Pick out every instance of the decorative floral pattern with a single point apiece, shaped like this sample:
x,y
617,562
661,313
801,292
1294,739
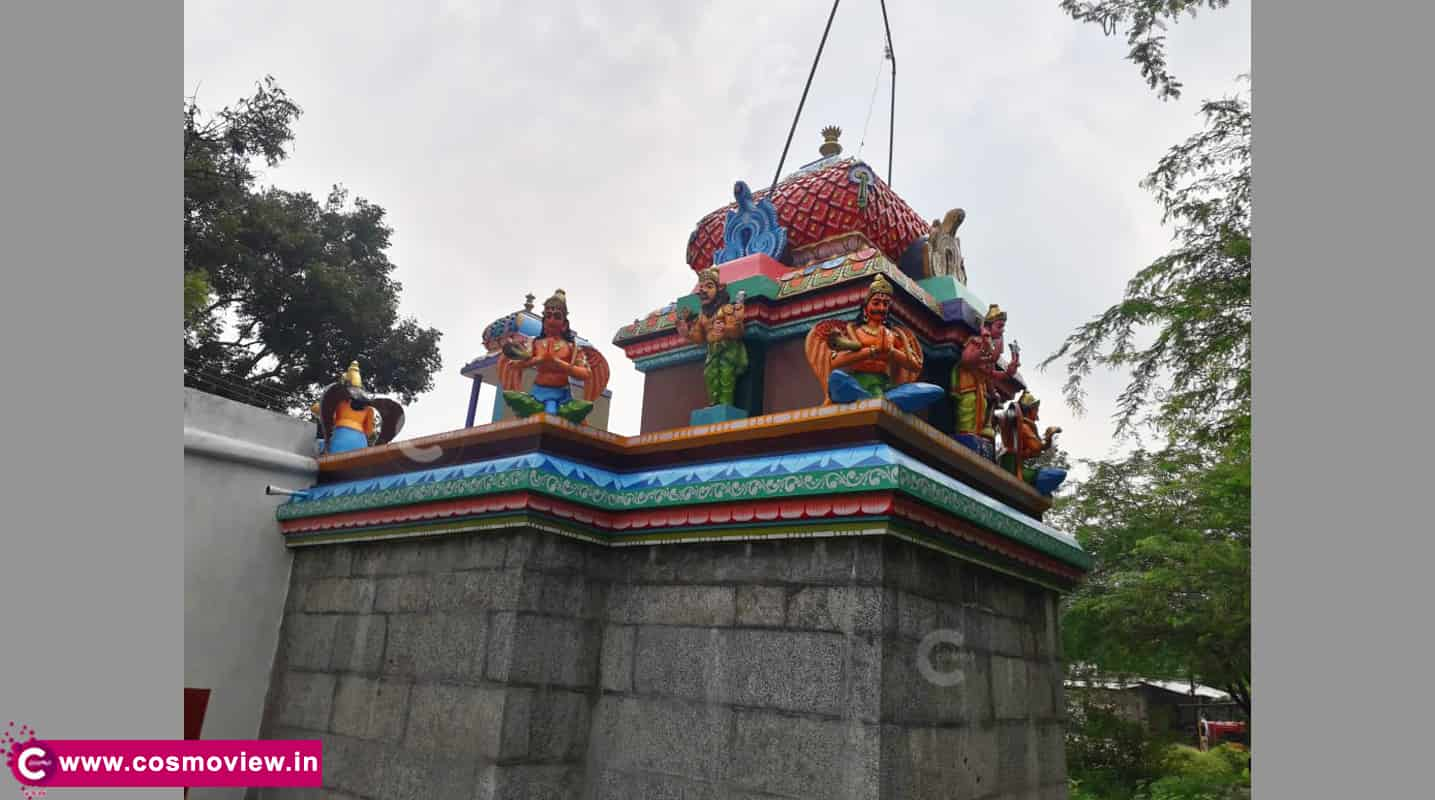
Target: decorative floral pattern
x,y
855,266
604,497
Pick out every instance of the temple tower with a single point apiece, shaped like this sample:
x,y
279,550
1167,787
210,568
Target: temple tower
x,y
811,600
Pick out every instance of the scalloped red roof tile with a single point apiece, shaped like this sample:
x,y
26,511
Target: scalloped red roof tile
x,y
817,205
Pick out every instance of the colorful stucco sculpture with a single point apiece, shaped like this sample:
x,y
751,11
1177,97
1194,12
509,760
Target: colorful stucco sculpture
x,y
718,327
846,232
1022,443
871,357
346,415
976,373
556,357
750,228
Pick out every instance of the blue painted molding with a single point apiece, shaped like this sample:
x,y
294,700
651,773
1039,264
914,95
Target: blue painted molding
x,y
847,469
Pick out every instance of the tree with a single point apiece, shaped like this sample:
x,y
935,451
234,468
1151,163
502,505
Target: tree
x,y
1197,297
1170,527
282,291
1171,535
1143,20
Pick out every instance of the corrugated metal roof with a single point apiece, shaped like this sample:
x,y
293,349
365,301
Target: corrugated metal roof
x,y
1179,687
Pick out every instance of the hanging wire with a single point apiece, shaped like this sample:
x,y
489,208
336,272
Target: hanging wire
x,y
803,101
871,104
892,124
196,376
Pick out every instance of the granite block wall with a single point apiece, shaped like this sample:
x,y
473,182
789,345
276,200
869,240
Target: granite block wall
x,y
527,665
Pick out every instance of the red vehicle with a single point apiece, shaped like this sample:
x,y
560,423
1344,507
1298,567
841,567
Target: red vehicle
x,y
1214,733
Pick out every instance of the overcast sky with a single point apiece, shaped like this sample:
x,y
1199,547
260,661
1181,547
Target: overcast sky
x,y
521,147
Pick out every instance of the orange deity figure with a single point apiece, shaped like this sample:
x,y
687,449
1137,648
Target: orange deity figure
x,y
557,357
870,357
1022,443
975,375
719,327
346,415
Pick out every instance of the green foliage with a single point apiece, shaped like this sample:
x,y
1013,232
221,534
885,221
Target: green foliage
x,y
1170,532
1078,789
1222,773
1196,372
1170,527
1222,762
1188,788
1143,21
196,295
293,288
1109,756
1148,770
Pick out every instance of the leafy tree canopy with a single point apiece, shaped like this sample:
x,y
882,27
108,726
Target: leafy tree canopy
x,y
282,291
1143,22
1170,527
1171,594
1196,372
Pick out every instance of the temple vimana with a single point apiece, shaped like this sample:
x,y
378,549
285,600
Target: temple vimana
x,y
819,570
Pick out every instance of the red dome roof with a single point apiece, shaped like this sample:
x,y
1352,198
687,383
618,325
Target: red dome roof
x,y
821,202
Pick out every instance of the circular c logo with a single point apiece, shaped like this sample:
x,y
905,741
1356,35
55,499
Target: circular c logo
x,y
925,649
35,764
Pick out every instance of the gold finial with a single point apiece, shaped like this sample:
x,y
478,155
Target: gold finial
x,y
351,375
528,301
880,285
994,313
830,145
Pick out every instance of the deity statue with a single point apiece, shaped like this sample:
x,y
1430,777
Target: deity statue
x,y
975,375
870,357
556,358
720,328
346,415
1022,443
943,253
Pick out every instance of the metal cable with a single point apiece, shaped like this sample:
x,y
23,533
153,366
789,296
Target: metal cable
x,y
892,124
871,104
803,101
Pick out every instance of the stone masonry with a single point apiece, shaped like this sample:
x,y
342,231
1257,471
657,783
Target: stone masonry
x,y
522,664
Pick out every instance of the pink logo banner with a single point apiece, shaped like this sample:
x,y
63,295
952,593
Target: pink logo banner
x,y
163,763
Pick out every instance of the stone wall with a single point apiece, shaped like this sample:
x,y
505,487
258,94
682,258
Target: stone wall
x,y
235,569
526,665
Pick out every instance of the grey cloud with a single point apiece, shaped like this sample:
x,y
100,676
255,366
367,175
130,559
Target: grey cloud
x,y
519,153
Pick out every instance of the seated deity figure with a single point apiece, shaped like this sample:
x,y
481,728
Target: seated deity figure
x,y
870,357
1022,444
